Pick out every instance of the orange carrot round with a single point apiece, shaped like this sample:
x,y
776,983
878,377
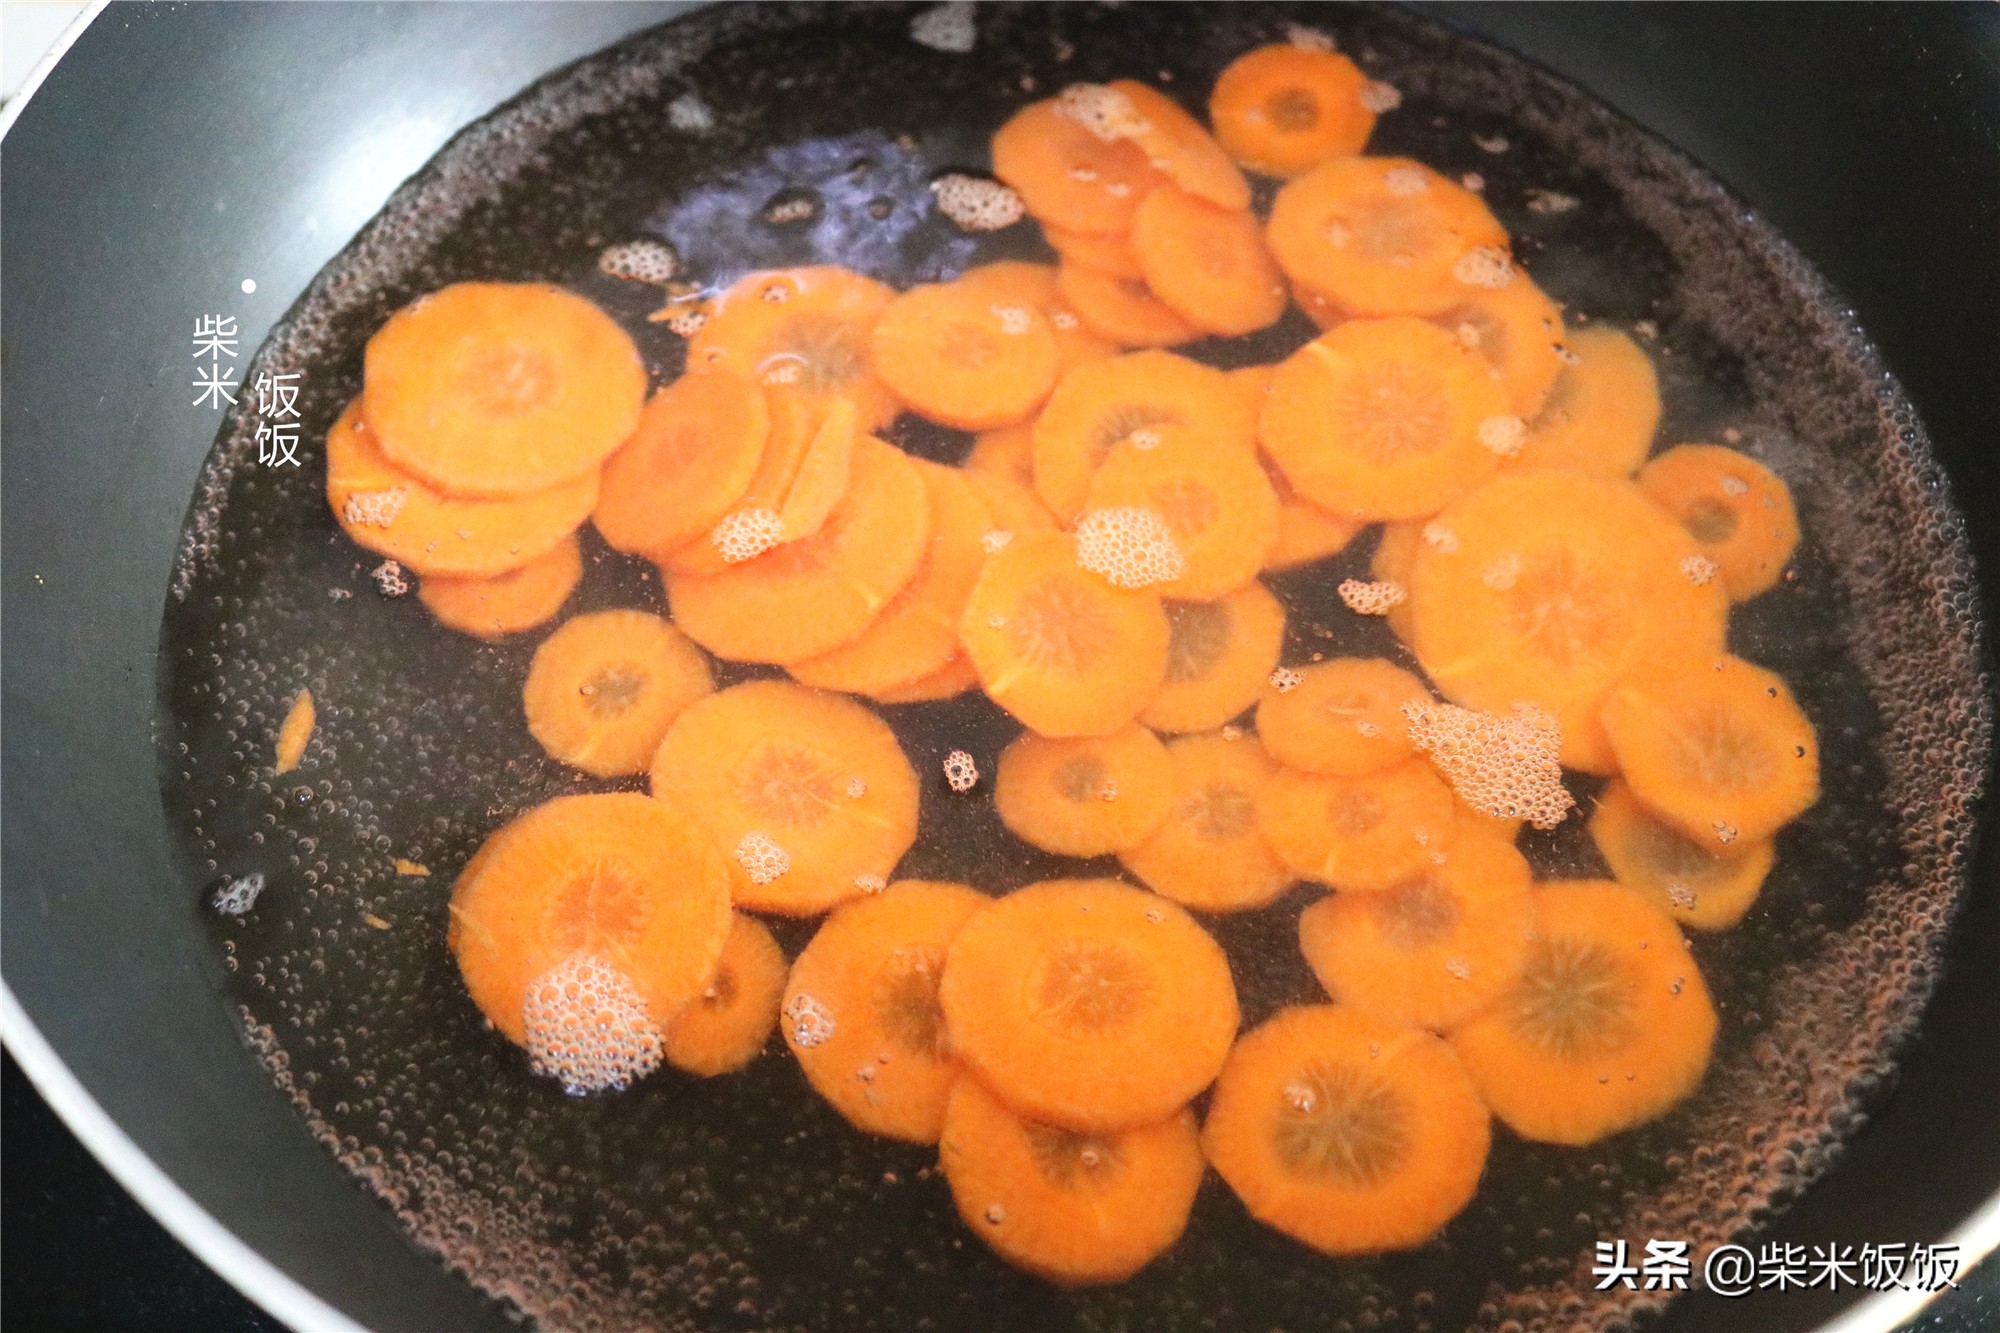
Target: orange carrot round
x,y
1363,833
1207,264
1343,716
1210,854
802,333
603,689
959,357
722,1029
1086,796
1282,110
1219,657
1066,174
520,599
1600,412
696,449
1217,504
1738,511
1701,886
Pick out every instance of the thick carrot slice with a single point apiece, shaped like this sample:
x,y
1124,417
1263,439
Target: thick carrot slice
x,y
953,678
1718,747
1383,419
1013,282
959,357
1609,1025
1071,1207
1121,309
1345,1132
1089,1004
1738,511
1058,646
1068,175
697,447
862,1011
1363,833
390,512
1547,587
1602,410
520,599
603,689
1086,796
1207,264
492,389
725,1027
1112,255
1385,236
1007,452
1343,716
1181,147
1695,884
809,597
1282,110
803,333
809,793
1435,949
1216,503
1519,330
1210,854
1219,656
294,733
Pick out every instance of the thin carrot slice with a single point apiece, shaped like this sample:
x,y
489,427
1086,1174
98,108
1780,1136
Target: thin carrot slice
x,y
1013,282
1210,853
1058,646
1383,419
520,599
493,389
1089,1004
1519,330
1007,452
1207,264
725,1027
1282,110
1602,410
1121,309
796,426
962,359
1182,148
1012,507
1217,504
390,512
1068,175
1219,656
1738,511
1609,1025
1305,531
603,689
1363,833
1395,554
1343,716
807,792
697,447
295,732
824,473
862,1011
1696,885
801,332
1718,747
1112,255
1345,1132
1435,949
953,678
1086,796
809,597
1385,236
1071,1207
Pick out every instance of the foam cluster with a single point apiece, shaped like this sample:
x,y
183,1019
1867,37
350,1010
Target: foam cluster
x,y
961,771
640,261
977,203
1485,266
747,534
947,27
1504,435
389,580
1380,97
809,1021
587,1026
239,895
1105,112
1372,599
1129,545
375,509
1506,767
1405,181
761,858
1700,570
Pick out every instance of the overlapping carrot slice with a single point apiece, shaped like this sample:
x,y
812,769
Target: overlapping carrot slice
x,y
1518,329
1181,146
797,428
953,678
693,456
1087,795
1697,884
1343,716
959,357
1012,506
1219,657
1281,110
1363,833
1738,511
1601,411
1210,853
1216,503
520,599
1206,263
1123,310
724,1027
1113,255
802,333
1012,282
603,689
1068,175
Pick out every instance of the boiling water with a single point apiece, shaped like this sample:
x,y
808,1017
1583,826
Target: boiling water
x,y
763,137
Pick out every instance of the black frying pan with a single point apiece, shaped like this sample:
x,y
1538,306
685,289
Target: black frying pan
x,y
355,1231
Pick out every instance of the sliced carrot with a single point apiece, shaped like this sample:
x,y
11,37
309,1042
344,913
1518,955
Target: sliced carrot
x,y
494,389
1219,656
1602,410
1305,531
1364,833
1345,1132
1068,175
1738,511
1015,282
504,604
862,1011
1210,853
1207,264
807,792
1395,553
1071,1207
725,1027
1344,716
1012,507
1383,419
1111,255
1181,147
603,689
1519,330
796,426
1385,236
953,678
1251,383
1007,452
959,357
824,473
1217,504
390,512
1609,1025
1695,884
801,332
1320,308
1282,110
1089,1004
1121,309
1059,647
295,732
1085,796
697,447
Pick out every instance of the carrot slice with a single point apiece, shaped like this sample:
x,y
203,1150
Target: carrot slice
x,y
862,1007
1121,309
1318,307
1718,747
1251,383
1219,656
1602,410
725,1027
1012,507
1207,264
1609,1025
1305,531
1007,452
1364,833
1281,110
1738,511
1071,1207
1089,1004
1395,554
1085,796
693,456
807,792
1013,282
1383,419
801,332
1519,330
809,597
295,732
1181,147
1216,503
1696,885
796,426
504,604
1112,255
1066,174
1343,716
493,389
1385,236
1059,647
959,357
953,678
1210,853
603,689
390,512
824,474
1345,1132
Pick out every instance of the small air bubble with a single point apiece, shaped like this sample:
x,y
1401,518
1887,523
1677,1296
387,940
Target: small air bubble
x,y
1284,680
